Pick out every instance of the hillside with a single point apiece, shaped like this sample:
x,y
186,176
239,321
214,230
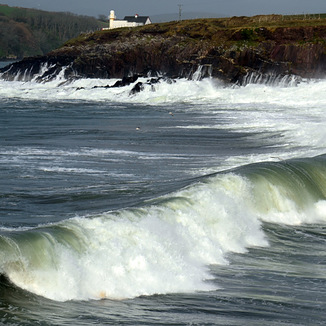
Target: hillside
x,y
29,32
226,48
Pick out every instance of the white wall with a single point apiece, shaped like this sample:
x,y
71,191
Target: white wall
x,y
123,23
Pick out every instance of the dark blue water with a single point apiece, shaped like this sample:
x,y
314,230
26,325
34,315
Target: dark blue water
x,y
81,159
63,159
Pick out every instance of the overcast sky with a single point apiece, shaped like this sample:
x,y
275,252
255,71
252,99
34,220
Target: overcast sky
x,y
156,7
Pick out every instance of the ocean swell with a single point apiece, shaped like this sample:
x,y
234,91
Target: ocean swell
x,y
168,244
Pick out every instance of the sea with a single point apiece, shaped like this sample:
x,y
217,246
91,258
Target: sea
x,y
191,202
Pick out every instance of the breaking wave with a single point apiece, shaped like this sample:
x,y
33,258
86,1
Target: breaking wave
x,y
49,84
167,244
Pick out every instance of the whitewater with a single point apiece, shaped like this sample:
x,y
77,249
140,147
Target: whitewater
x,y
190,202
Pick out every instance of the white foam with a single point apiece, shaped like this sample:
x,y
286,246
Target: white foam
x,y
293,114
70,170
307,94
167,246
162,248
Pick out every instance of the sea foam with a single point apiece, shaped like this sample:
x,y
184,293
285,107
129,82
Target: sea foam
x,y
165,91
168,244
164,247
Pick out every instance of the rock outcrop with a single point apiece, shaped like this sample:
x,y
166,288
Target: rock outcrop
x,y
192,49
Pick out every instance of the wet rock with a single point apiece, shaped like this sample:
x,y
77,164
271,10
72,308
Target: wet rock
x,y
125,81
137,88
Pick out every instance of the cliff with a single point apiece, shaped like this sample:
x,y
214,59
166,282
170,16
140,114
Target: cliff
x,y
229,49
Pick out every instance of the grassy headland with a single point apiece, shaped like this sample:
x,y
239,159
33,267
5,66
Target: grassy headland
x,y
215,29
226,48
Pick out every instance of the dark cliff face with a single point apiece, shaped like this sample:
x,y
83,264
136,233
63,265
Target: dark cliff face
x,y
180,49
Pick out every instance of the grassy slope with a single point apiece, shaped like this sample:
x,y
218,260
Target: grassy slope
x,y
217,30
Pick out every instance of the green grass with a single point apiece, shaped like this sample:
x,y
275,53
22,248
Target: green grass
x,y
6,10
239,30
213,24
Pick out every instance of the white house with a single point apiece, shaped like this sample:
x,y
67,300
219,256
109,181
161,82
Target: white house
x,y
128,21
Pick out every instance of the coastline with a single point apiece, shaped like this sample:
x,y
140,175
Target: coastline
x,y
227,49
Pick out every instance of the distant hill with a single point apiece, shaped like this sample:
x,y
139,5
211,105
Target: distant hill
x,y
29,32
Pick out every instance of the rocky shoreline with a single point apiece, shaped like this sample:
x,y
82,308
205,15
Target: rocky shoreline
x,y
184,49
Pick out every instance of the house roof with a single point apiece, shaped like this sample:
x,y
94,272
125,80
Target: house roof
x,y
136,19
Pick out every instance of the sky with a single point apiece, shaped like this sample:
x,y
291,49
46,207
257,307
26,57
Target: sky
x,y
156,7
